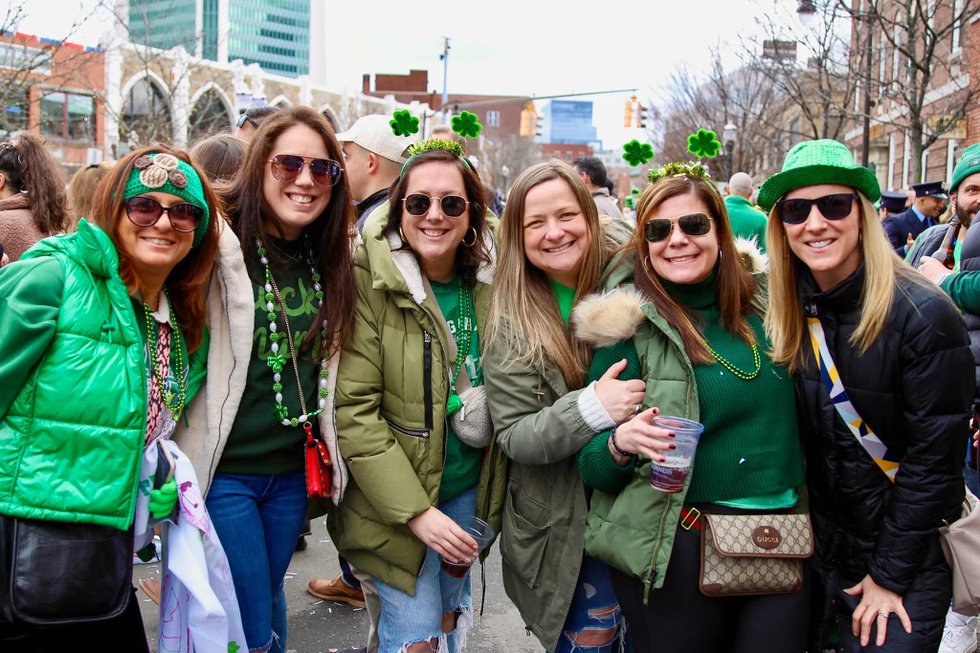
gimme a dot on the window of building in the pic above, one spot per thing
(493, 119)
(958, 25)
(68, 116)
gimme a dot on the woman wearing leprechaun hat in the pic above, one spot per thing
(884, 381)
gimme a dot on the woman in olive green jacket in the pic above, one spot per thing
(553, 248)
(405, 421)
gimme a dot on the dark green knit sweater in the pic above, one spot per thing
(750, 446)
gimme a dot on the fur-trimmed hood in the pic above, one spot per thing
(612, 316)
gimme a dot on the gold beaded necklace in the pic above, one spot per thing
(745, 376)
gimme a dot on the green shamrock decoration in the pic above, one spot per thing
(636, 153)
(403, 123)
(678, 169)
(467, 125)
(704, 144)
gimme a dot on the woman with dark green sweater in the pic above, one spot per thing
(685, 310)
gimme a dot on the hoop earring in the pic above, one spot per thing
(475, 236)
(646, 263)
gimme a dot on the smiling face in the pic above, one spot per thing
(435, 236)
(830, 248)
(966, 199)
(155, 250)
(556, 235)
(298, 203)
(680, 258)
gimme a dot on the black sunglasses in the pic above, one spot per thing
(244, 118)
(833, 207)
(452, 205)
(695, 224)
(146, 212)
(287, 167)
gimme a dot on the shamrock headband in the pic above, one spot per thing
(159, 172)
(466, 124)
(679, 169)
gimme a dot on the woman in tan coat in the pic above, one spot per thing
(33, 202)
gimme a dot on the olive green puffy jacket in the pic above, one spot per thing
(392, 388)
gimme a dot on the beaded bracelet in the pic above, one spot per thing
(612, 440)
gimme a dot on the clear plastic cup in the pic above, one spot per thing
(480, 531)
(670, 476)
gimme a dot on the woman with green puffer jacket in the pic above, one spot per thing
(687, 314)
(418, 446)
(553, 248)
(104, 341)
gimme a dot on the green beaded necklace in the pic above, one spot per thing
(152, 334)
(463, 338)
(270, 291)
(745, 376)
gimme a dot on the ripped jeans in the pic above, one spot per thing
(594, 623)
(408, 619)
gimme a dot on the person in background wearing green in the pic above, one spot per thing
(747, 221)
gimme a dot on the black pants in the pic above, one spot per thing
(680, 619)
(124, 634)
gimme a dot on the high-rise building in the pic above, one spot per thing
(275, 34)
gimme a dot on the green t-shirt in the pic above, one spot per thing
(461, 470)
(259, 443)
(565, 297)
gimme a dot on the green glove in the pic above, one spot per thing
(163, 500)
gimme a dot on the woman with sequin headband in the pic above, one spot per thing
(279, 308)
(416, 440)
(105, 340)
(683, 305)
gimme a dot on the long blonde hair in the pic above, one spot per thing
(524, 315)
(785, 323)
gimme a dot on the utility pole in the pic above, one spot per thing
(445, 75)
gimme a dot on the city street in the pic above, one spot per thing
(317, 626)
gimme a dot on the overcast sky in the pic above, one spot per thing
(508, 47)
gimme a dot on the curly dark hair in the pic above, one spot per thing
(28, 167)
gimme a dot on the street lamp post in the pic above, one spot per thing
(728, 136)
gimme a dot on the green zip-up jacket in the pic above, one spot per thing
(392, 388)
(72, 384)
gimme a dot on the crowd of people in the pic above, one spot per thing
(180, 327)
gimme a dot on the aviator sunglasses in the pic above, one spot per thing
(146, 212)
(287, 167)
(452, 205)
(833, 207)
(695, 224)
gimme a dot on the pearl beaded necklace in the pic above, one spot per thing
(270, 291)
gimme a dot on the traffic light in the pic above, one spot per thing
(641, 116)
(628, 112)
(529, 118)
(538, 125)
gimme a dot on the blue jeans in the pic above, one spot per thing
(258, 519)
(408, 619)
(594, 607)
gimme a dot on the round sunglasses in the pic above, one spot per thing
(287, 167)
(833, 207)
(452, 205)
(146, 212)
(694, 224)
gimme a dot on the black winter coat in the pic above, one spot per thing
(913, 387)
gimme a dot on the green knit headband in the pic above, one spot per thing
(159, 172)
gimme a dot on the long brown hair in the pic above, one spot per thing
(29, 168)
(331, 234)
(523, 310)
(185, 283)
(735, 284)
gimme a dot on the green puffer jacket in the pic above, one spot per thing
(72, 384)
(638, 515)
(392, 388)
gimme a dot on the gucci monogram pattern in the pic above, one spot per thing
(733, 564)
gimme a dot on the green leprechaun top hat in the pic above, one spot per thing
(818, 162)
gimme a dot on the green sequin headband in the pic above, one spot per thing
(679, 169)
(466, 124)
